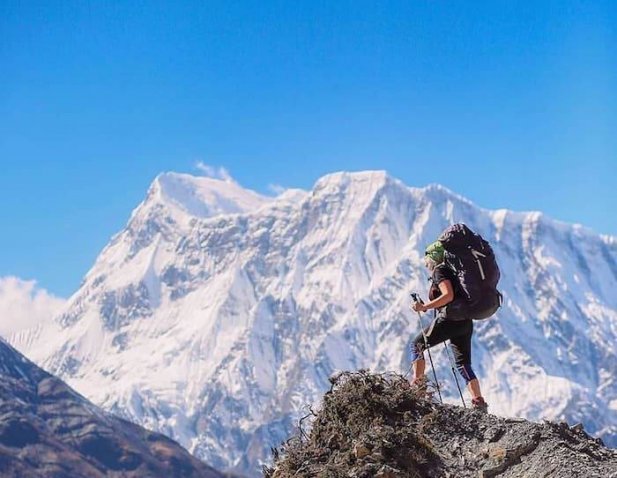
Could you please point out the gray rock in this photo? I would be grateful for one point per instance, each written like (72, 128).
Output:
(424, 439)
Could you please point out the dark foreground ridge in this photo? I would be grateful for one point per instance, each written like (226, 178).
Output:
(375, 426)
(48, 430)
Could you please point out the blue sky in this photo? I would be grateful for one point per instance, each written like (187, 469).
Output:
(511, 104)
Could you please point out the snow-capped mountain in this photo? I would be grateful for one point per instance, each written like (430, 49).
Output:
(217, 315)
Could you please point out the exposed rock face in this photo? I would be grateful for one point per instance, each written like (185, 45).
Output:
(48, 430)
(378, 426)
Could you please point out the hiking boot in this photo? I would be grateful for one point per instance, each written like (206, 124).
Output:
(479, 404)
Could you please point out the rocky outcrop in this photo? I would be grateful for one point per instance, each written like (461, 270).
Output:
(47, 430)
(373, 426)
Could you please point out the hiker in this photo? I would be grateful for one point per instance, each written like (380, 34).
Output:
(445, 287)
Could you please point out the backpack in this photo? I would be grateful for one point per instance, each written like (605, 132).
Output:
(473, 261)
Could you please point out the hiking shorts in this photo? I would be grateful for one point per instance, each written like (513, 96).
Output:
(458, 332)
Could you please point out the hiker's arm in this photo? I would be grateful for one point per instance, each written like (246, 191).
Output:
(447, 296)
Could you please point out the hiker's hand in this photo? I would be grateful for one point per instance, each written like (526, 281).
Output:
(418, 307)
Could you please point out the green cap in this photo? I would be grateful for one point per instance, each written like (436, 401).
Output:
(435, 251)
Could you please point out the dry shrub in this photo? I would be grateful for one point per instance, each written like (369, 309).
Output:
(367, 423)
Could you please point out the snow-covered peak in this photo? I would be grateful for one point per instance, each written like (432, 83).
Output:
(351, 176)
(355, 191)
(174, 202)
(203, 196)
(293, 195)
(217, 314)
(438, 192)
(364, 183)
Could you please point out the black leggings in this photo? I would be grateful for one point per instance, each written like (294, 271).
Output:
(459, 333)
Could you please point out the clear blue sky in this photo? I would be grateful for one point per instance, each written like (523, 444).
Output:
(511, 104)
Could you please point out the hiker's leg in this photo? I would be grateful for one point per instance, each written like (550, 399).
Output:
(461, 349)
(470, 378)
(435, 334)
(418, 366)
(474, 388)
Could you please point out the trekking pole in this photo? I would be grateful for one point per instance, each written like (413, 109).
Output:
(452, 366)
(416, 298)
(454, 373)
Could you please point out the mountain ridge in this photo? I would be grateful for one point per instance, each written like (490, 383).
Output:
(237, 320)
(48, 430)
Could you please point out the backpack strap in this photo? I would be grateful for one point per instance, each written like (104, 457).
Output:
(476, 255)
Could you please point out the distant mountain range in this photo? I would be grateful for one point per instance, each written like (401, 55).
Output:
(217, 315)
